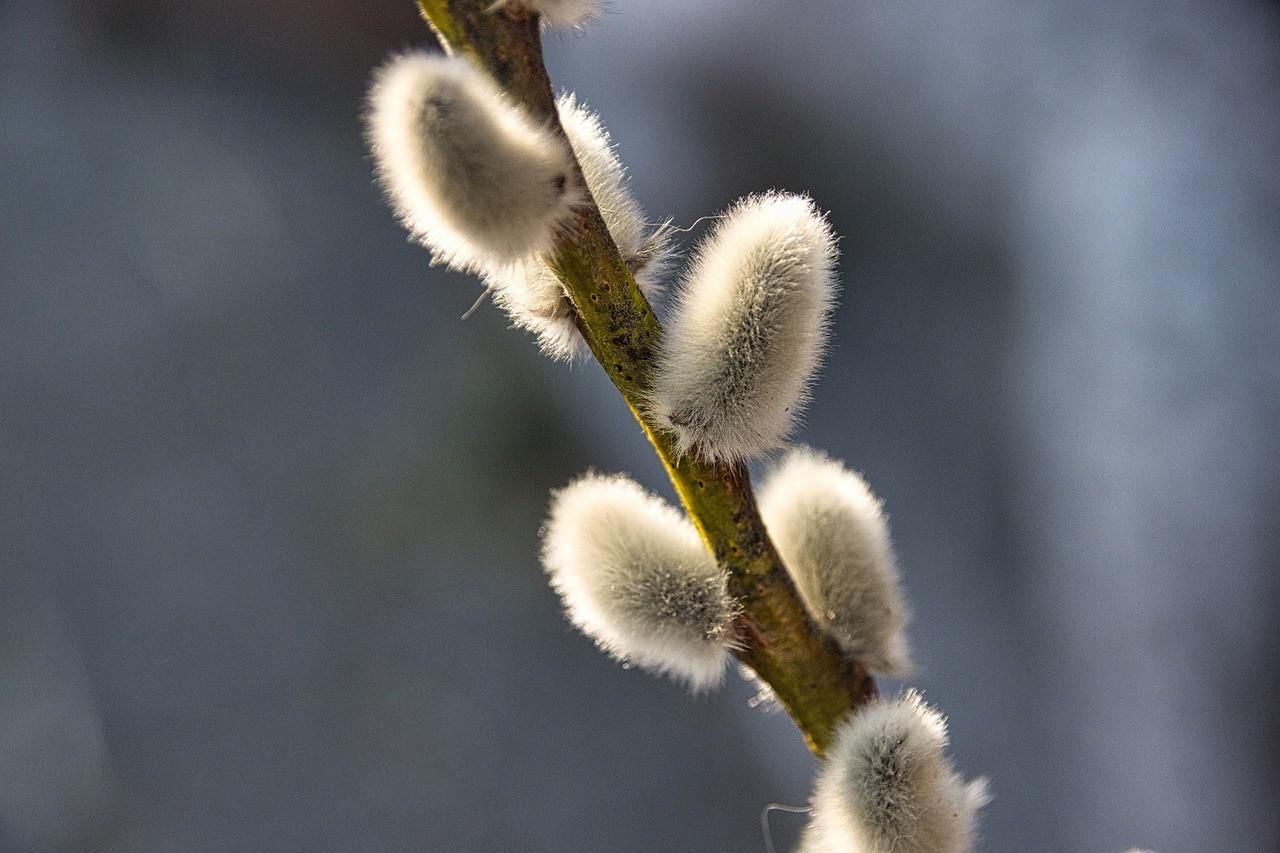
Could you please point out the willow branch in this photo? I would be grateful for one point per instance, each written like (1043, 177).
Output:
(813, 680)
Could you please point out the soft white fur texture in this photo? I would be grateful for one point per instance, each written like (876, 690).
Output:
(531, 294)
(888, 786)
(560, 13)
(831, 533)
(471, 176)
(634, 576)
(748, 329)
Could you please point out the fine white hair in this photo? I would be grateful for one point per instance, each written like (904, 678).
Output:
(559, 13)
(470, 175)
(831, 533)
(530, 292)
(748, 329)
(633, 575)
(889, 787)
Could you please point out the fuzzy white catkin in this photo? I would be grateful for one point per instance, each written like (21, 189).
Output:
(634, 576)
(470, 175)
(888, 786)
(560, 13)
(832, 536)
(529, 291)
(748, 329)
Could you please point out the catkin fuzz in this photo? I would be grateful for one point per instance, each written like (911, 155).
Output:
(889, 787)
(633, 575)
(530, 292)
(559, 13)
(831, 533)
(748, 329)
(470, 175)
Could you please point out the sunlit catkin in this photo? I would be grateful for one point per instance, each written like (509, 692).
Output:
(633, 575)
(470, 175)
(832, 536)
(558, 13)
(888, 786)
(748, 329)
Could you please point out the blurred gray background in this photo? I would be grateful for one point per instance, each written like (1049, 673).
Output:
(269, 509)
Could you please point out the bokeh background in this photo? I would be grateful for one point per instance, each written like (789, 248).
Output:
(269, 509)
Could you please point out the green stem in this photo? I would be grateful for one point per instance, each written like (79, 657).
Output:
(806, 670)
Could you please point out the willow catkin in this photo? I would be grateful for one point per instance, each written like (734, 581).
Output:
(832, 536)
(634, 577)
(747, 330)
(469, 175)
(889, 787)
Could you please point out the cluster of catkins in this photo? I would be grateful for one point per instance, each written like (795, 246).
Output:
(488, 190)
